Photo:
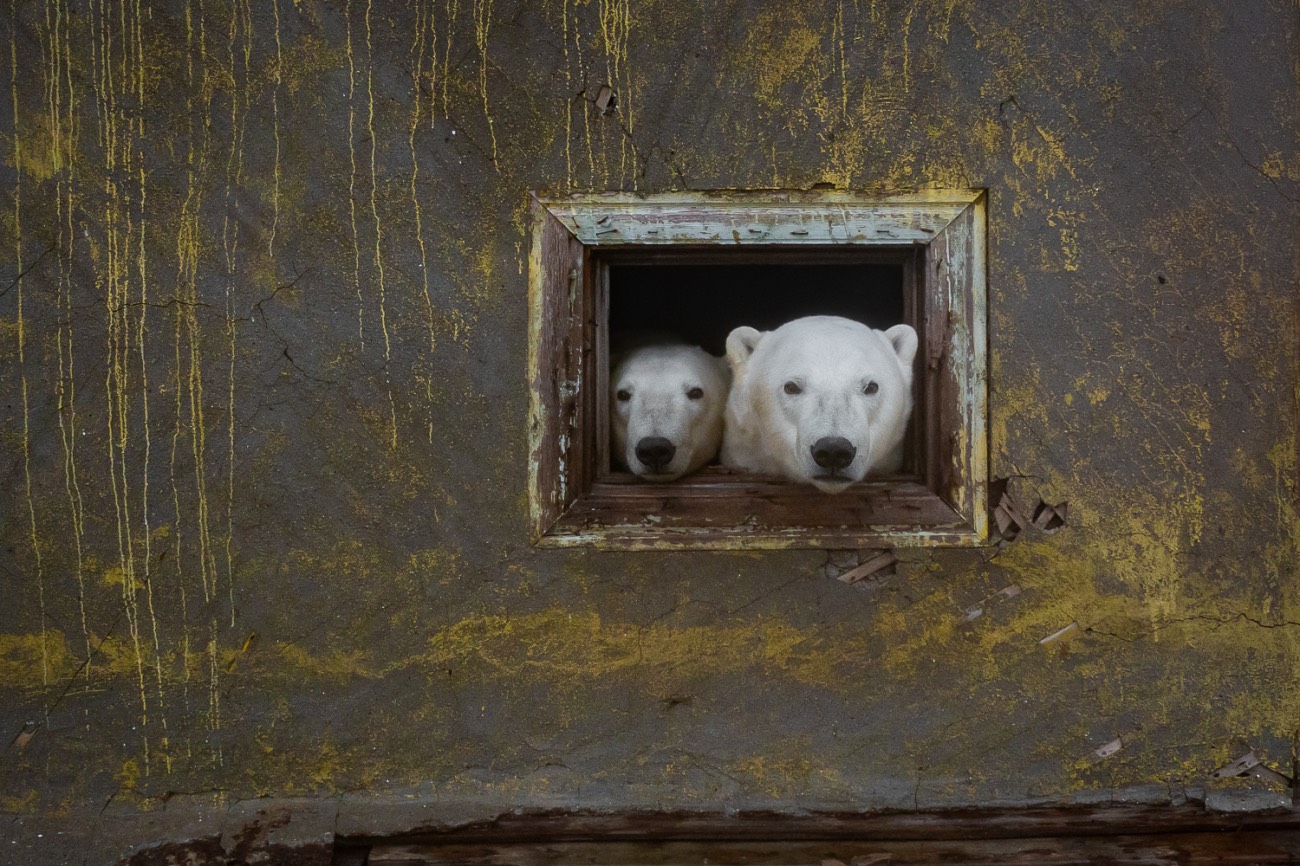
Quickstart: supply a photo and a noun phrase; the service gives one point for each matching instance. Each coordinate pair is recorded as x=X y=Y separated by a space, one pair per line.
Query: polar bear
x=666 y=403
x=820 y=399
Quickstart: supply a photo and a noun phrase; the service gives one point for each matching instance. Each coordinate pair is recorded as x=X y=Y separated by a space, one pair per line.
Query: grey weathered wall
x=262 y=321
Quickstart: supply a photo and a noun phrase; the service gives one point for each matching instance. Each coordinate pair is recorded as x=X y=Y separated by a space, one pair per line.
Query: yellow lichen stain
x=36 y=153
x=116 y=576
x=128 y=777
x=286 y=767
x=1067 y=223
x=114 y=657
x=779 y=777
x=22 y=655
x=1153 y=533
x=328 y=764
x=1016 y=403
x=1282 y=457
x=304 y=61
x=1277 y=166
x=477 y=271
x=785 y=53
x=335 y=665
x=26 y=804
x=988 y=135
x=572 y=648
x=1030 y=154
x=444 y=565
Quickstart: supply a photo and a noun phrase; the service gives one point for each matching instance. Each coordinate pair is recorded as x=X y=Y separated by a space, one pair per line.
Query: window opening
x=698 y=265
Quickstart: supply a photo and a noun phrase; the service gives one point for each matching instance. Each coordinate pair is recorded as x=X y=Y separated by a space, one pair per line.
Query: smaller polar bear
x=820 y=399
x=666 y=404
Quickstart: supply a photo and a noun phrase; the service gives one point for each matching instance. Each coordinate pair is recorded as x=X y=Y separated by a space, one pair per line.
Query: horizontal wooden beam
x=761 y=218
x=1197 y=849
x=1133 y=835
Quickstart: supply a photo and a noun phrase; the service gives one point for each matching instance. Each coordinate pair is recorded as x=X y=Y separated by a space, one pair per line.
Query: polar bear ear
x=741 y=344
x=903 y=339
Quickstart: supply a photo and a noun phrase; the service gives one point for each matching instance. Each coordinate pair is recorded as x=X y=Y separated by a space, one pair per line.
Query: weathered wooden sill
x=718 y=508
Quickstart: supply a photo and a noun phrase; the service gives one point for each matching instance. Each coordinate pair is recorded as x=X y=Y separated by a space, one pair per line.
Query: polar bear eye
x=623 y=396
x=793 y=388
x=695 y=393
x=870 y=388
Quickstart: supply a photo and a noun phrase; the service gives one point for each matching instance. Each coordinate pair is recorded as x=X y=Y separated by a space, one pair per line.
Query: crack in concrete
x=27 y=270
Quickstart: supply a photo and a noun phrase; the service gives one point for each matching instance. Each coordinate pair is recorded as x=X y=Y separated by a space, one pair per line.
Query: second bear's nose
x=655 y=452
x=833 y=452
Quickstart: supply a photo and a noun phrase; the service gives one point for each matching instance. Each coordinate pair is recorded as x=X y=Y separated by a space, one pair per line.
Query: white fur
x=659 y=379
x=831 y=359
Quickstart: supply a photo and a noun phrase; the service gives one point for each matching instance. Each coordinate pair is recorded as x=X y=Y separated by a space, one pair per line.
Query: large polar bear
x=666 y=404
x=820 y=399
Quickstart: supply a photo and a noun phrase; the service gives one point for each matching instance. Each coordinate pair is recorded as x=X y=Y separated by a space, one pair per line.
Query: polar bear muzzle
x=833 y=453
x=655 y=453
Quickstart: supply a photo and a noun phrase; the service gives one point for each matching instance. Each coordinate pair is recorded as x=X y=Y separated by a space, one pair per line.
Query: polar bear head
x=666 y=404
x=820 y=399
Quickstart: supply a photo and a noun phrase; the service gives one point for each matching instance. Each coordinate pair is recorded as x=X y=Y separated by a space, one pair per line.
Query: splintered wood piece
x=1109 y=749
x=1007 y=527
x=1060 y=634
x=1238 y=767
x=1268 y=774
x=1048 y=517
x=882 y=560
x=1013 y=511
x=976 y=611
x=1009 y=519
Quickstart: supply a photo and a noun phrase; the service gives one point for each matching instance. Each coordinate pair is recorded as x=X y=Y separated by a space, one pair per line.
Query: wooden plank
x=754 y=512
x=748 y=225
x=936 y=197
x=581 y=358
x=555 y=270
x=914 y=305
x=750 y=826
x=632 y=538
x=977 y=443
x=861 y=507
x=761 y=218
x=598 y=274
x=1261 y=847
x=810 y=254
x=956 y=389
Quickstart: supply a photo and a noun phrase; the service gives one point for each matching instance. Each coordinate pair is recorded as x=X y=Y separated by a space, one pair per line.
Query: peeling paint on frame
x=913 y=219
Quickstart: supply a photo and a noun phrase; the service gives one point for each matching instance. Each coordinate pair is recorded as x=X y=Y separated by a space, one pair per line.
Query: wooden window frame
x=940 y=238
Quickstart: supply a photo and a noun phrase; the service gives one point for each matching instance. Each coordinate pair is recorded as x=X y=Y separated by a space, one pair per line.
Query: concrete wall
x=262 y=322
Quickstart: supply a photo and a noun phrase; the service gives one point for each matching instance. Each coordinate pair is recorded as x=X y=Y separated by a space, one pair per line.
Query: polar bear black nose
x=655 y=452
x=833 y=452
